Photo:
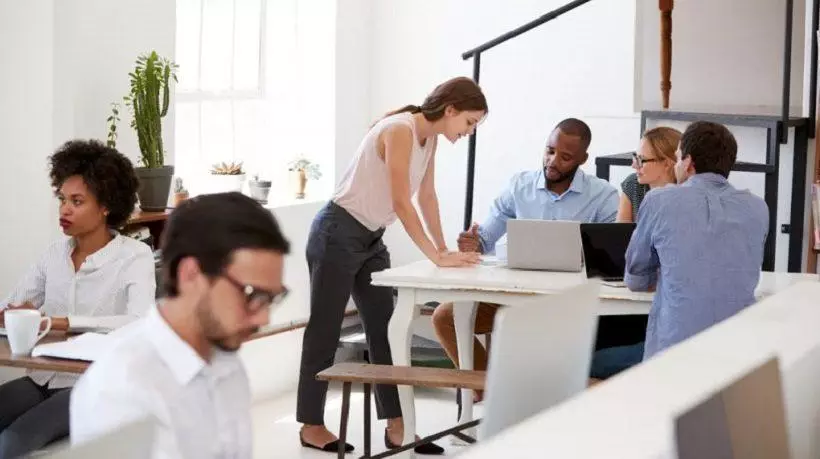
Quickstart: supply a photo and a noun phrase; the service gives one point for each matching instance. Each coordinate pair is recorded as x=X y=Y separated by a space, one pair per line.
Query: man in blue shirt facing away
x=560 y=190
x=698 y=244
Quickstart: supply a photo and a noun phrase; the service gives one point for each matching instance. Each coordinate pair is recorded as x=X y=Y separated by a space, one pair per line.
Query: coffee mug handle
x=47 y=329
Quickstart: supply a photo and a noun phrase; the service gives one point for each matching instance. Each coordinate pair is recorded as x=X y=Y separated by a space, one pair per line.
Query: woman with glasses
x=654 y=165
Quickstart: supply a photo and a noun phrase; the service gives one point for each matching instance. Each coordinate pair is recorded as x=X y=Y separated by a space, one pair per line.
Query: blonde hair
x=663 y=141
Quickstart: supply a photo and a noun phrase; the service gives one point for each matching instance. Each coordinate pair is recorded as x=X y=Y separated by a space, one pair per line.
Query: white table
x=492 y=282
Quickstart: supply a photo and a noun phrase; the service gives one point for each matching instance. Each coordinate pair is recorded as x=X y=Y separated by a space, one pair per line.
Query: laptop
x=549 y=245
x=605 y=247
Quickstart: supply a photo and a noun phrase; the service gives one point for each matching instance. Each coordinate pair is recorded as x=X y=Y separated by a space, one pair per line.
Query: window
x=232 y=102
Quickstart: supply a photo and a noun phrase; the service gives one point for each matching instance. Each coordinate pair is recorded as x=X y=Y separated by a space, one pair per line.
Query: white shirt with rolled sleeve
x=114 y=286
x=202 y=409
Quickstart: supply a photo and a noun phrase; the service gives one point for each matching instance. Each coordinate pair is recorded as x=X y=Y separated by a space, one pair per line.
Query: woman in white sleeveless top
x=394 y=162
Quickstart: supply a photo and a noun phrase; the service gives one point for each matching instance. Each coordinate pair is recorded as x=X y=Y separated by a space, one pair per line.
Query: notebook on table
x=88 y=347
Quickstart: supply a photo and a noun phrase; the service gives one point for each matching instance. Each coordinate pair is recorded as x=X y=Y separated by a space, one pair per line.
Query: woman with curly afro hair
x=93 y=278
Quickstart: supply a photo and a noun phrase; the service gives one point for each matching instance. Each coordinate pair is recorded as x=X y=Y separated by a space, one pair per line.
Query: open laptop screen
x=605 y=247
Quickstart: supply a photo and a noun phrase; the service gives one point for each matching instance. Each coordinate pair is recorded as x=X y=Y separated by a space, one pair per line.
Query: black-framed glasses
x=257 y=298
x=640 y=160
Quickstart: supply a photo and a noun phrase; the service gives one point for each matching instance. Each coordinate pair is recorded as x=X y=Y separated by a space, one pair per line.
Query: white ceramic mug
x=23 y=329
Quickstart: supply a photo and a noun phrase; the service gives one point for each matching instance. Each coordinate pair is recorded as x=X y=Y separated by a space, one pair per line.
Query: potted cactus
x=259 y=189
x=303 y=169
x=180 y=193
x=148 y=100
x=226 y=177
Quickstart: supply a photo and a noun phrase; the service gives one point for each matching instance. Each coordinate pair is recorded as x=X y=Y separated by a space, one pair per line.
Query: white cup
x=23 y=329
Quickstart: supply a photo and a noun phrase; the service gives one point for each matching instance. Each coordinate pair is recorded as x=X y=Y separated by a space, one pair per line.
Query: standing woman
x=395 y=161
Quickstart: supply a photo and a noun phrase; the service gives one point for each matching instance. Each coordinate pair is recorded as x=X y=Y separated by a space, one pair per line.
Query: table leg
x=400 y=333
x=464 y=319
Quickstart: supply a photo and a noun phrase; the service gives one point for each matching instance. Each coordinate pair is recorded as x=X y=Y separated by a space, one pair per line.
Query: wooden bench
x=368 y=374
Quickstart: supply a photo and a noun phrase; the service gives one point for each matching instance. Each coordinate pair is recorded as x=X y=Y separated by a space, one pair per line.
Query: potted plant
x=259 y=189
x=180 y=193
x=226 y=177
x=304 y=169
x=149 y=100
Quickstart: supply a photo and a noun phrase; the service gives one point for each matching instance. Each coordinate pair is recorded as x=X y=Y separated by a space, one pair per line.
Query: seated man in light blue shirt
x=699 y=244
x=560 y=190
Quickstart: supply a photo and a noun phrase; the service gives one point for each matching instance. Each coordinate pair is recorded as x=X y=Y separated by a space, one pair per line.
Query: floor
x=276 y=432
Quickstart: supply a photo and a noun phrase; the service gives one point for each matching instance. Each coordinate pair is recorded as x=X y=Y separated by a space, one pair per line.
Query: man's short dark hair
x=712 y=147
x=211 y=228
x=577 y=128
x=107 y=173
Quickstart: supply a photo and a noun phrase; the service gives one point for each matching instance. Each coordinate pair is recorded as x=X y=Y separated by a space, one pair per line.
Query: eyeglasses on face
x=257 y=298
x=640 y=160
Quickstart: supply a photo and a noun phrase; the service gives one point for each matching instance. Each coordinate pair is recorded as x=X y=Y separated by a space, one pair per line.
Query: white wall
x=580 y=65
x=95 y=45
x=64 y=62
x=26 y=107
x=724 y=53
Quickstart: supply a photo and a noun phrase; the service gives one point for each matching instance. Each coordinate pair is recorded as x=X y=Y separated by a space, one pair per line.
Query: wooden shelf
x=155 y=221
x=139 y=217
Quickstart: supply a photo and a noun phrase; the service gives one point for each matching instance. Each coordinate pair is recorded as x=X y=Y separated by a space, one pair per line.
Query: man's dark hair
x=712 y=147
x=211 y=228
x=577 y=128
x=107 y=173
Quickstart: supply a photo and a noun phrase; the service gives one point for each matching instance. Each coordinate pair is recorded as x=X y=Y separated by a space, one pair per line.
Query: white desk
x=422 y=282
x=632 y=415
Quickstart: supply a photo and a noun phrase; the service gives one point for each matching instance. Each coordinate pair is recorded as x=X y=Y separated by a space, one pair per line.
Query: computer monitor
x=605 y=247
x=744 y=420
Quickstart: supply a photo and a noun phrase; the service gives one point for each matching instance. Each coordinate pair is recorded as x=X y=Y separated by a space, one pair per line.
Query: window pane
x=217 y=132
x=217 y=45
x=187 y=148
x=249 y=126
x=247 y=44
x=189 y=16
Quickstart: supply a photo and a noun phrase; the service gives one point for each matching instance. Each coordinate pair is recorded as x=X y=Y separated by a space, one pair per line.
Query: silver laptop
x=549 y=245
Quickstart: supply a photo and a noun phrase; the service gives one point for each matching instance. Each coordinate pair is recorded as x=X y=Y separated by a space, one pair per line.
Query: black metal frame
x=787 y=68
x=346 y=389
x=775 y=130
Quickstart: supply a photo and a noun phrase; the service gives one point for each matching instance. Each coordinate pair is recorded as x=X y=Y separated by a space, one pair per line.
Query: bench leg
x=366 y=420
x=345 y=415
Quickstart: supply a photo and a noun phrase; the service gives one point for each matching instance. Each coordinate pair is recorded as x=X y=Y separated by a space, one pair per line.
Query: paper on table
x=88 y=347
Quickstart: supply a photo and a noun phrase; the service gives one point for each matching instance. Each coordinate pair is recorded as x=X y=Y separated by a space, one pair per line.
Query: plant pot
x=301 y=183
x=155 y=184
x=179 y=197
x=225 y=183
x=259 y=190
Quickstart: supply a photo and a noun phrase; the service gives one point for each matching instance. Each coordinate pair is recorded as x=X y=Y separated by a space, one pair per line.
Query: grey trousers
x=31 y=417
x=342 y=254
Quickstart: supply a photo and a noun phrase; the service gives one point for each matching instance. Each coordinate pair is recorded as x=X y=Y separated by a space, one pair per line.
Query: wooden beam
x=666 y=7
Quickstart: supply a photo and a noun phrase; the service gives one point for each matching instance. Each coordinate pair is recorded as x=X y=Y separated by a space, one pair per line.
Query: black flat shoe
x=429 y=449
x=332 y=447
